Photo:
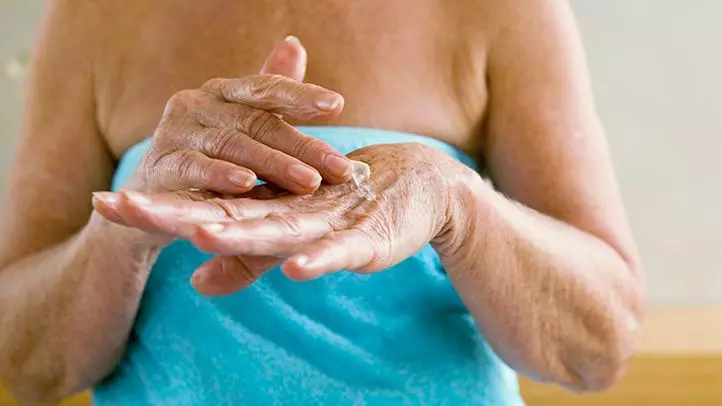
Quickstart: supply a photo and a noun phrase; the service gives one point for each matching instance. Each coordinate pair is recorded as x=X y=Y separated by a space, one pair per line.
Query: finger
x=288 y=58
x=176 y=213
x=189 y=169
x=280 y=95
x=128 y=208
x=350 y=249
x=276 y=235
x=195 y=208
x=273 y=132
x=267 y=163
x=225 y=275
x=106 y=204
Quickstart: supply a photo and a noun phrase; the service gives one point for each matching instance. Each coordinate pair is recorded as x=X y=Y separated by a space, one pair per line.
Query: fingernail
x=301 y=261
x=308 y=267
x=199 y=276
x=242 y=179
x=293 y=38
x=329 y=101
x=136 y=197
x=309 y=263
x=338 y=165
x=109 y=198
x=305 y=176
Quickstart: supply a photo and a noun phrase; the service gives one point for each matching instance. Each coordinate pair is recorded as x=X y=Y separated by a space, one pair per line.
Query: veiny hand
x=335 y=228
x=228 y=133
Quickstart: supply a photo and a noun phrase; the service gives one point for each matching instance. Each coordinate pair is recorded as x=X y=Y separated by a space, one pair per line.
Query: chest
x=415 y=66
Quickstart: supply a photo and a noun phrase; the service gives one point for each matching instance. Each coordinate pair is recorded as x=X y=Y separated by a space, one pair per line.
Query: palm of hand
x=334 y=228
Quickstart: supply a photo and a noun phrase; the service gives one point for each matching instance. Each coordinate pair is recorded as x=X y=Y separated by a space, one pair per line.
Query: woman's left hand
x=335 y=228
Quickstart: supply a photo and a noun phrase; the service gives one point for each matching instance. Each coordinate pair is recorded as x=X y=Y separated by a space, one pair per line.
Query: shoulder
x=88 y=23
x=73 y=29
x=495 y=21
x=533 y=20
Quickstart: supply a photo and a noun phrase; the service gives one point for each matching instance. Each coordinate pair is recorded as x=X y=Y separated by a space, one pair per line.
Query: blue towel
x=398 y=337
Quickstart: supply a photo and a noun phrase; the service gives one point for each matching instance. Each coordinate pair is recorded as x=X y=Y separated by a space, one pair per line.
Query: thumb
x=288 y=58
x=225 y=275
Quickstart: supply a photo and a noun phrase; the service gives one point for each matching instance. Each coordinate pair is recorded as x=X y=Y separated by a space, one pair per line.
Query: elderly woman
x=422 y=284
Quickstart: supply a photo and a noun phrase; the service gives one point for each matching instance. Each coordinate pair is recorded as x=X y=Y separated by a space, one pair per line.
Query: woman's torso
x=397 y=337
x=406 y=65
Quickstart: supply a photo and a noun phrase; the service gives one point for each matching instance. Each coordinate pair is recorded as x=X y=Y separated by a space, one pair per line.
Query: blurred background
x=657 y=72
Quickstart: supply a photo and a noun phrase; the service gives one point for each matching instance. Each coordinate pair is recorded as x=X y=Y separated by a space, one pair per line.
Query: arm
x=558 y=290
x=69 y=287
x=554 y=285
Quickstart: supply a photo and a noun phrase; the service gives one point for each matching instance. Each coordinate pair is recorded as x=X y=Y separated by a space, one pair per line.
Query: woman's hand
x=336 y=228
x=228 y=133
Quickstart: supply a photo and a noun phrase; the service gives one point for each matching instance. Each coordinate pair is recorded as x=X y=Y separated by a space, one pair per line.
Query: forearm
x=555 y=302
x=66 y=312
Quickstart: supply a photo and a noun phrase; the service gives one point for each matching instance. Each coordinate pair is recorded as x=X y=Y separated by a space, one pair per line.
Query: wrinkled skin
x=335 y=228
x=216 y=141
x=544 y=260
x=225 y=135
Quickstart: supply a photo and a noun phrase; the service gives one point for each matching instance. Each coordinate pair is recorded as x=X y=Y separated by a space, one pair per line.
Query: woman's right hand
x=224 y=136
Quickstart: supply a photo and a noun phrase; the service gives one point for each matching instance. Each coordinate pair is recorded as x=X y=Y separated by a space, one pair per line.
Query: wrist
x=139 y=245
x=468 y=196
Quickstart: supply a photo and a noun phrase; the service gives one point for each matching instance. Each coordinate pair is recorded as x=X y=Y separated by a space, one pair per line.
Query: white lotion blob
x=360 y=179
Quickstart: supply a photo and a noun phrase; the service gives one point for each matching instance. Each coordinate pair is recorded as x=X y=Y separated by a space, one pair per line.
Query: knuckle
x=164 y=138
x=232 y=211
x=263 y=86
x=213 y=85
x=289 y=223
x=244 y=276
x=267 y=163
x=186 y=165
x=298 y=94
x=308 y=146
x=154 y=167
x=236 y=116
x=181 y=104
x=256 y=269
x=260 y=124
x=222 y=143
x=243 y=273
x=181 y=99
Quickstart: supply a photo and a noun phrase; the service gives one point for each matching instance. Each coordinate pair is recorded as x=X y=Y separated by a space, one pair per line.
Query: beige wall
x=657 y=67
x=18 y=22
x=657 y=70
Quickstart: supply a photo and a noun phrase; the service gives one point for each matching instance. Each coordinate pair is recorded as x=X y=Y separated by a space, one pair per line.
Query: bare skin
x=504 y=80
